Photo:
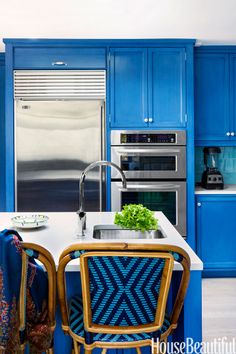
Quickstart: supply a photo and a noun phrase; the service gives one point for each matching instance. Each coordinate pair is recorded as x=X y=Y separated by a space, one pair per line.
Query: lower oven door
x=168 y=197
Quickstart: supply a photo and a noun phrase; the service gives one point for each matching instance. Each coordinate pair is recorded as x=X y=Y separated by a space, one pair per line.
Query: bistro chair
x=27 y=295
x=124 y=295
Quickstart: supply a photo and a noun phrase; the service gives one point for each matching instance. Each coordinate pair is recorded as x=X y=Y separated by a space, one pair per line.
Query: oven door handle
x=169 y=187
x=155 y=151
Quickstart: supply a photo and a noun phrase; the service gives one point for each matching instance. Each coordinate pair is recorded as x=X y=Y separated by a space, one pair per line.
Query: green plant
x=136 y=217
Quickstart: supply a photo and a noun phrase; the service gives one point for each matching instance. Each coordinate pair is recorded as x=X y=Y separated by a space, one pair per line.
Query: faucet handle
x=81 y=222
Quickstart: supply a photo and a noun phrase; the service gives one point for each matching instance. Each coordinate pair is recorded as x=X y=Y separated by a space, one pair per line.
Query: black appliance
x=211 y=177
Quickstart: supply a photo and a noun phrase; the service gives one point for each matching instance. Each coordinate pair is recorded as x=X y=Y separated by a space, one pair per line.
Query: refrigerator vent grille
x=60 y=84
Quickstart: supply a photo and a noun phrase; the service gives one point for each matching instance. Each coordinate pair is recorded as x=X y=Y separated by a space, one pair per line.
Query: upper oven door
x=149 y=162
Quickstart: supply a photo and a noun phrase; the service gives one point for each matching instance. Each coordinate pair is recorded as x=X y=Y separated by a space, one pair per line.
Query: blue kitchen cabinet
x=128 y=88
x=216 y=234
x=2 y=132
x=233 y=96
x=212 y=121
x=147 y=88
x=51 y=58
x=167 y=87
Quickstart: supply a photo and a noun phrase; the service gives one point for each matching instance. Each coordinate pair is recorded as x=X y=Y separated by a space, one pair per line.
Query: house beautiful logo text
x=217 y=346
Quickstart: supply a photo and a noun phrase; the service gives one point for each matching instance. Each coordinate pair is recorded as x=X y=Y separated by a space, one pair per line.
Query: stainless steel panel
x=178 y=152
x=54 y=142
x=158 y=187
x=60 y=84
x=180 y=136
x=114 y=232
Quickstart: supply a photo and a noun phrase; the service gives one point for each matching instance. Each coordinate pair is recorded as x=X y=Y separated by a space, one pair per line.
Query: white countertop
x=228 y=189
x=61 y=232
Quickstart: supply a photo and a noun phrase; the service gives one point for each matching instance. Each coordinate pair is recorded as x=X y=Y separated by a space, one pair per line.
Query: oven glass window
x=148 y=163
x=156 y=201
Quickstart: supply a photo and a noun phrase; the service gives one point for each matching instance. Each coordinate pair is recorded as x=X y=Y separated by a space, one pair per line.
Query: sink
x=114 y=232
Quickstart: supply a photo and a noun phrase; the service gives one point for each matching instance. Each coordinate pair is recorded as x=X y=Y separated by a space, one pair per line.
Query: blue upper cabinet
x=212 y=97
x=166 y=90
x=128 y=87
x=147 y=88
x=59 y=58
x=233 y=97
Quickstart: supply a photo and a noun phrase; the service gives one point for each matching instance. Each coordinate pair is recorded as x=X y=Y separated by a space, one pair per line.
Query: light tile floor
x=219 y=308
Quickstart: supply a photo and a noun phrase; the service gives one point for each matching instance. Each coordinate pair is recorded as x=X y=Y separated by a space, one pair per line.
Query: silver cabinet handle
x=232 y=134
x=228 y=133
x=199 y=204
x=147 y=151
x=145 y=120
x=159 y=187
x=59 y=63
x=150 y=120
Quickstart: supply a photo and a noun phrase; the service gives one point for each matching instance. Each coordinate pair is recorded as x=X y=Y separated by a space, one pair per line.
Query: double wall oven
x=154 y=163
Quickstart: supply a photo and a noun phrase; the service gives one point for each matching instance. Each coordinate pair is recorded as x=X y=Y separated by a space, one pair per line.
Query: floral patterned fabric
x=37 y=331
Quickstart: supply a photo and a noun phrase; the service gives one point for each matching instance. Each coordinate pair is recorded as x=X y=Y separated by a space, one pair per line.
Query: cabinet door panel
x=211 y=97
x=233 y=96
x=216 y=232
x=2 y=132
x=128 y=87
x=167 y=94
x=60 y=58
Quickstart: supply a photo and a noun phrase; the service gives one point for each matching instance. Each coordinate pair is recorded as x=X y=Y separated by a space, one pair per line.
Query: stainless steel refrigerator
x=55 y=139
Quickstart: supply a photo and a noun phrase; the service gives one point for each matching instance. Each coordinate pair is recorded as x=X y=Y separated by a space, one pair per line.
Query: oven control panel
x=151 y=138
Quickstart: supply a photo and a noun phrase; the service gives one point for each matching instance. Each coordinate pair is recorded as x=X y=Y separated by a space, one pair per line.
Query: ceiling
x=209 y=21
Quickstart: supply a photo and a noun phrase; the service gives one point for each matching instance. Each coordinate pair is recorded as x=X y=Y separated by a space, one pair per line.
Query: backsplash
x=226 y=164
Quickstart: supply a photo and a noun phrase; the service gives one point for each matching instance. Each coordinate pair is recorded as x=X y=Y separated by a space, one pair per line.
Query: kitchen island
x=61 y=231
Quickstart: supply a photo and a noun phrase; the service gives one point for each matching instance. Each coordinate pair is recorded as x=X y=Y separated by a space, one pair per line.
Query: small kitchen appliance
x=211 y=177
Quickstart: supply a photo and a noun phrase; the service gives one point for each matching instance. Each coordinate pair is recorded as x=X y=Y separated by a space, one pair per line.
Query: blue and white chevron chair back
x=125 y=289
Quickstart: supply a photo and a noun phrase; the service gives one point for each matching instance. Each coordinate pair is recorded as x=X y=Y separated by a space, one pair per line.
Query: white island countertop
x=61 y=232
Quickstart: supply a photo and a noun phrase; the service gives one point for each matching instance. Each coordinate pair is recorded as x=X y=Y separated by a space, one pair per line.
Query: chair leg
x=104 y=351
x=22 y=349
x=76 y=347
x=50 y=351
x=138 y=350
x=87 y=351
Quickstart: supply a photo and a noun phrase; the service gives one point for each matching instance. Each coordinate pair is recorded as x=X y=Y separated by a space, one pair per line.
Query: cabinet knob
x=199 y=204
x=228 y=133
x=150 y=120
x=232 y=134
x=146 y=120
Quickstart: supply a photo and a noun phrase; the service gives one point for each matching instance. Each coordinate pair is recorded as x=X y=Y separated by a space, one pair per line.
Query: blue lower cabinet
x=216 y=234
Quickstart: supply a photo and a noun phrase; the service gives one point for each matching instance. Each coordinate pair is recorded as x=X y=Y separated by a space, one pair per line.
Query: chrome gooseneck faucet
x=81 y=213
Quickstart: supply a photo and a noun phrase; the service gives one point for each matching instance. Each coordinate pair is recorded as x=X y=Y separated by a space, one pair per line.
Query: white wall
x=209 y=21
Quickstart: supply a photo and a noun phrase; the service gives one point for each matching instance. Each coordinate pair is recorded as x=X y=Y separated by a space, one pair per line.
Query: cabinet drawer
x=60 y=58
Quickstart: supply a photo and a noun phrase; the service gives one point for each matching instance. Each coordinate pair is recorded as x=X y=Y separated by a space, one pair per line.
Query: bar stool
x=124 y=295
